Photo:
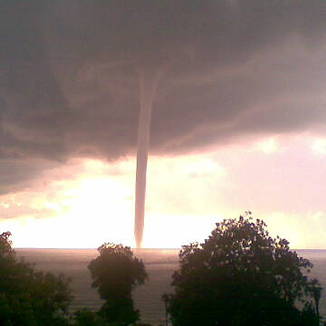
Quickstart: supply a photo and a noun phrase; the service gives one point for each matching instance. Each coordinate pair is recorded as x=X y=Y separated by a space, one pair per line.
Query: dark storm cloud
x=69 y=73
x=18 y=174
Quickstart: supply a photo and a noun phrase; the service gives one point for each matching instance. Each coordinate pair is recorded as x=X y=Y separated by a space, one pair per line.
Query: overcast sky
x=238 y=119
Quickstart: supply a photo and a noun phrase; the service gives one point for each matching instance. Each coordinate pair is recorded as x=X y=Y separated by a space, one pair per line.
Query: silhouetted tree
x=86 y=317
x=241 y=276
x=115 y=273
x=29 y=297
x=315 y=290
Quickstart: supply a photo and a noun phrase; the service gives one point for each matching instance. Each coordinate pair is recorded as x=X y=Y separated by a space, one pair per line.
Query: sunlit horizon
x=89 y=202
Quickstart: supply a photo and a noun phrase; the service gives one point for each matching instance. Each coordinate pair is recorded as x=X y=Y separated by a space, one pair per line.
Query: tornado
x=148 y=83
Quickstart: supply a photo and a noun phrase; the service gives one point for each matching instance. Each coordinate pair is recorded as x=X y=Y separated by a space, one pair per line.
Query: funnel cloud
x=78 y=79
x=148 y=82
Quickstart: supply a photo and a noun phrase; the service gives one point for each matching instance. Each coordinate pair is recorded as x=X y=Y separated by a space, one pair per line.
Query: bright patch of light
x=83 y=213
x=203 y=166
x=267 y=146
x=319 y=146
x=174 y=231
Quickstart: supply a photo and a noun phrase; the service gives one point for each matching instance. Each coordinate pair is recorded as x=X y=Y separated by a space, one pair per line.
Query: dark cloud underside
x=69 y=73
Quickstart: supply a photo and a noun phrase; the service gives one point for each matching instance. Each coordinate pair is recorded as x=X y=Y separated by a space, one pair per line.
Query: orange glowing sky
x=87 y=201
x=238 y=119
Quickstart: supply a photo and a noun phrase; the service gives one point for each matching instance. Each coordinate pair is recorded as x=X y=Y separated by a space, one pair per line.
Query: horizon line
x=133 y=248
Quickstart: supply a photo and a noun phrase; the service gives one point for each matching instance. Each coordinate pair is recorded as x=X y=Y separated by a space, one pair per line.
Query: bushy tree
x=242 y=276
x=115 y=273
x=86 y=317
x=29 y=297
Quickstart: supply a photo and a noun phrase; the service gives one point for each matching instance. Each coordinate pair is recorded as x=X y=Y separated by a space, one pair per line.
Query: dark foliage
x=115 y=273
x=85 y=317
x=242 y=276
x=29 y=297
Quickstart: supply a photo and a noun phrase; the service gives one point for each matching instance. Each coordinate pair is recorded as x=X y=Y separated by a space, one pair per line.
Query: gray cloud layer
x=69 y=74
